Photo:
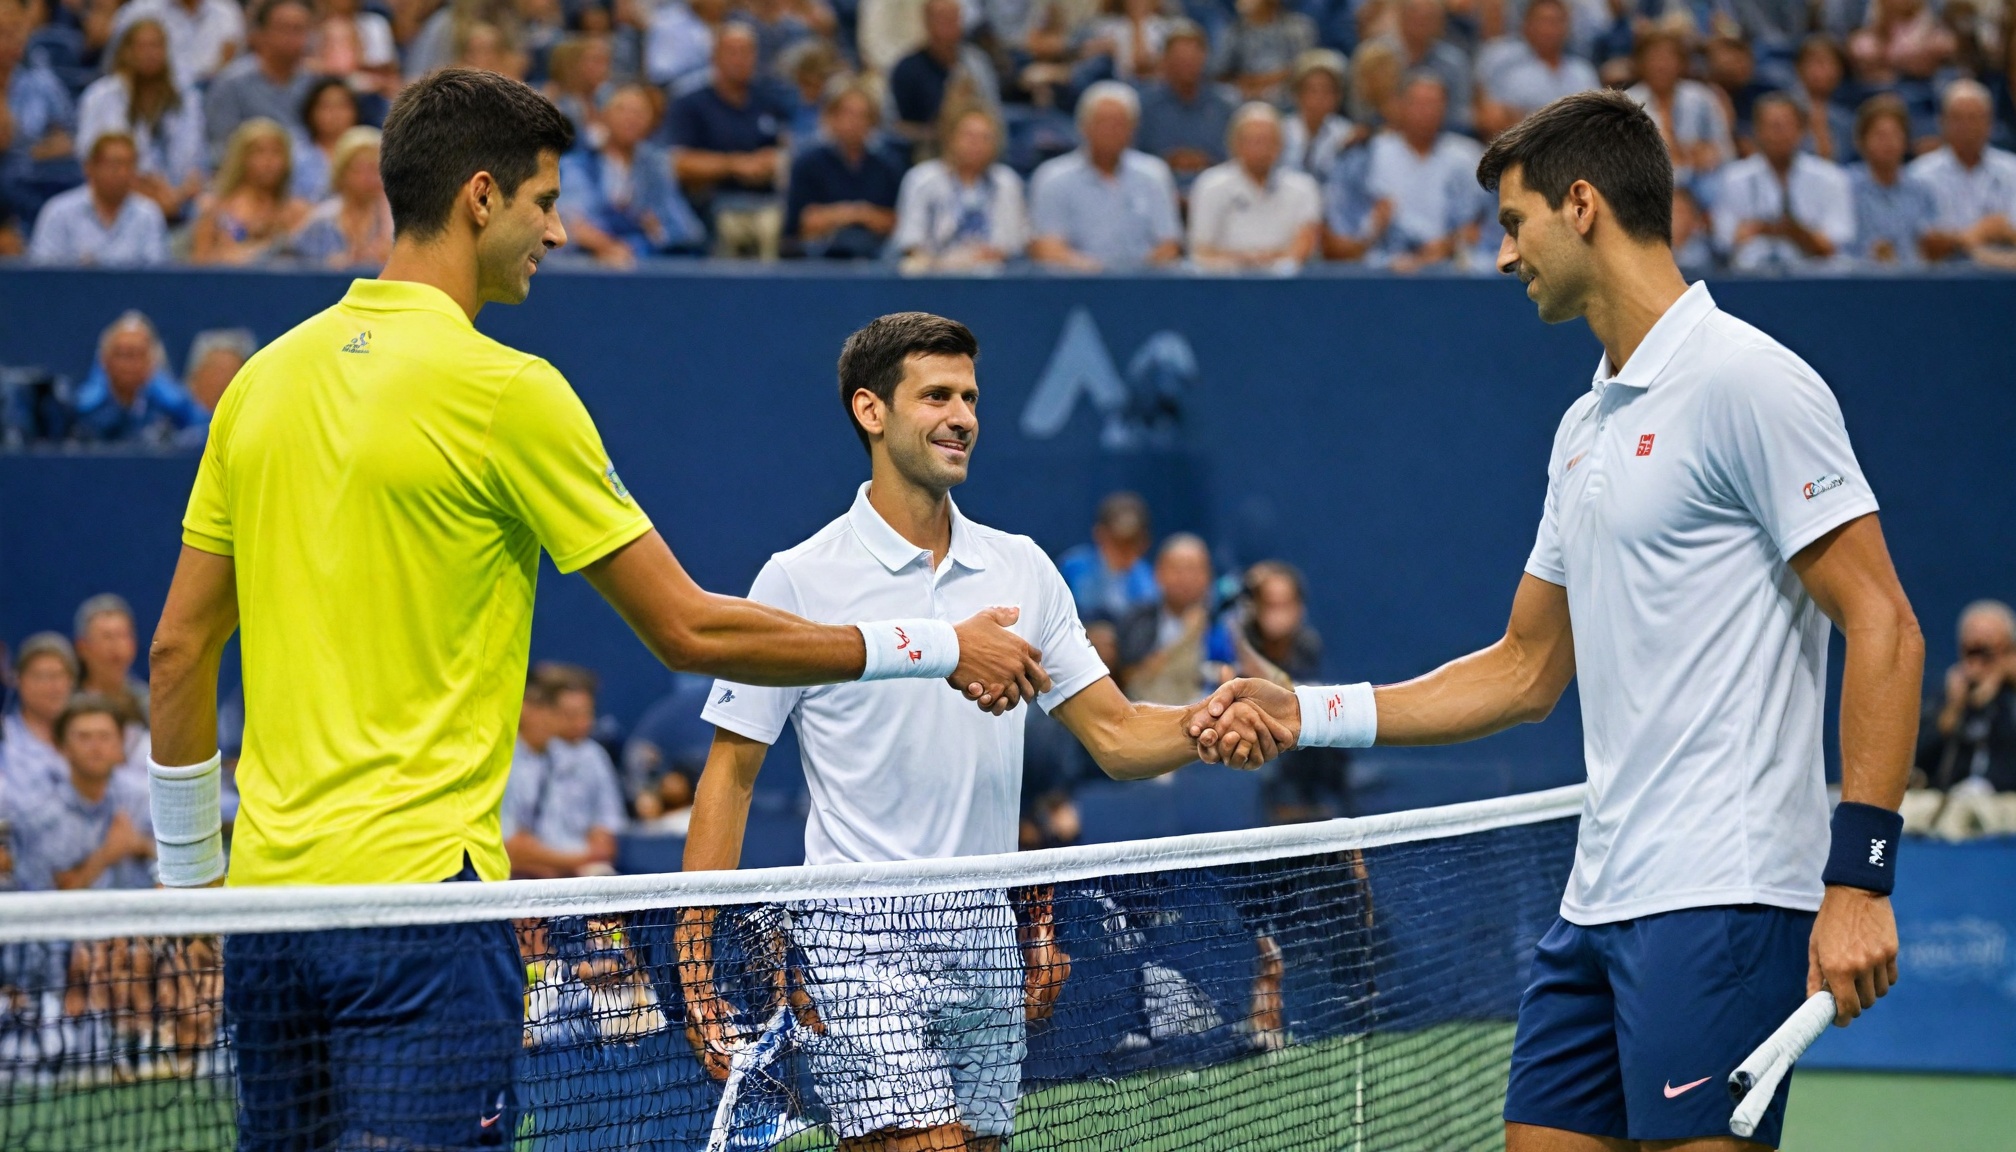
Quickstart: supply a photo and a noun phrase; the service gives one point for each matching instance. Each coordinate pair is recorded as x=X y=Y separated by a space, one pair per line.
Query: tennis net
x=1343 y=985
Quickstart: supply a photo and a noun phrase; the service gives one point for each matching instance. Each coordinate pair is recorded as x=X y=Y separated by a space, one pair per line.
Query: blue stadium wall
x=1389 y=436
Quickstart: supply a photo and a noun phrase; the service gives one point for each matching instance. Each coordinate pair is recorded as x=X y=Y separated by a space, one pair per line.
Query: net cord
x=100 y=915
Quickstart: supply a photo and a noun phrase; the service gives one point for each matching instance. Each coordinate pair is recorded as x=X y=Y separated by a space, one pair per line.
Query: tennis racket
x=755 y=1055
x=1756 y=1080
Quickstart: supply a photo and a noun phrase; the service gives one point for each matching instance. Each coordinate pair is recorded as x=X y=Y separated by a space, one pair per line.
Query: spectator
x=1422 y=48
x=440 y=41
x=252 y=209
x=1376 y=73
x=842 y=204
x=1830 y=127
x=810 y=67
x=1258 y=53
x=577 y=81
x=679 y=43
x=269 y=84
x=1104 y=206
x=1894 y=215
x=329 y=110
x=1774 y=25
x=1274 y=640
x=139 y=97
x=214 y=359
x=727 y=138
x=353 y=227
x=1783 y=208
x=888 y=30
x=1732 y=68
x=1693 y=239
x=491 y=47
x=1689 y=115
x=963 y=210
x=1973 y=184
x=945 y=66
x=1132 y=35
x=1421 y=182
x=1111 y=576
x=562 y=807
x=203 y=35
x=666 y=751
x=45 y=676
x=1183 y=118
x=1902 y=40
x=107 y=645
x=355 y=46
x=103 y=222
x=1312 y=138
x=1165 y=646
x=779 y=24
x=619 y=199
x=129 y=397
x=1252 y=211
x=1537 y=72
x=92 y=829
x=1967 y=739
x=36 y=145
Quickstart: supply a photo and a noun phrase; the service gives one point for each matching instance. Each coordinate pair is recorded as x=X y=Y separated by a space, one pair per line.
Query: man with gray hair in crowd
x=1104 y=206
x=129 y=397
x=1252 y=212
x=1973 y=184
x=1964 y=778
x=215 y=356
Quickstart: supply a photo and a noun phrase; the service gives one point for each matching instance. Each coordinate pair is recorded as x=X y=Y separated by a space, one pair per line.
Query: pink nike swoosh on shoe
x=1671 y=1091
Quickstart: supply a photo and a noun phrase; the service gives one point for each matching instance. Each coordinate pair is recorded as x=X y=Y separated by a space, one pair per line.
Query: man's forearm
x=201 y=614
x=1148 y=741
x=533 y=857
x=721 y=803
x=1884 y=664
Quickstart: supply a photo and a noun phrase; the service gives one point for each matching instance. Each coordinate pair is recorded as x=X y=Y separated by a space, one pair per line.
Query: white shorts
x=922 y=1001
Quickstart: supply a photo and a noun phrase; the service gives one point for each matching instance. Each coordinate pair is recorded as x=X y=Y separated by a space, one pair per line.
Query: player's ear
x=869 y=411
x=480 y=196
x=1582 y=204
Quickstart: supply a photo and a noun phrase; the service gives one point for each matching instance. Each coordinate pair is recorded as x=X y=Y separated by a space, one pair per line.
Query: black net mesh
x=1352 y=1000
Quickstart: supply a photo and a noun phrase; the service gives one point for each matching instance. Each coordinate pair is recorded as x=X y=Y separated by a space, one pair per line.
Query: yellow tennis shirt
x=384 y=476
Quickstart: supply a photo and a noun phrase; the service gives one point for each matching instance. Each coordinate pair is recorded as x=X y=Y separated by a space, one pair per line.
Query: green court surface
x=1868 y=1112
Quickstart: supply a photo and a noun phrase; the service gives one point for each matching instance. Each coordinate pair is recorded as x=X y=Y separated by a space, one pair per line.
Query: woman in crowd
x=1830 y=127
x=252 y=210
x=1131 y=34
x=1903 y=40
x=355 y=46
x=577 y=81
x=1314 y=134
x=619 y=200
x=1689 y=116
x=964 y=210
x=1258 y=53
x=353 y=227
x=328 y=111
x=1893 y=215
x=1375 y=80
x=138 y=96
x=490 y=48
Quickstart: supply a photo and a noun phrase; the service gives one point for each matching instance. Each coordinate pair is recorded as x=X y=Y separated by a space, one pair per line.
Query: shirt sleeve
x=1167 y=223
x=1837 y=210
x=1206 y=208
x=606 y=801
x=1068 y=655
x=206 y=525
x=1047 y=213
x=546 y=468
x=1011 y=219
x=1779 y=444
x=758 y=713
x=909 y=233
x=1545 y=562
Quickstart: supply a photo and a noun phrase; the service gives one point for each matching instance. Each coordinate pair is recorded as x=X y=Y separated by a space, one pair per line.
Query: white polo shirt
x=908 y=769
x=1678 y=490
x=1229 y=211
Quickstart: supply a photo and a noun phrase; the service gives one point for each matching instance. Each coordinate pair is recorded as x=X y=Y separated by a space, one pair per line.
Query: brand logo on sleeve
x=1645 y=444
x=360 y=343
x=727 y=695
x=615 y=484
x=1827 y=483
x=1876 y=851
x=1574 y=460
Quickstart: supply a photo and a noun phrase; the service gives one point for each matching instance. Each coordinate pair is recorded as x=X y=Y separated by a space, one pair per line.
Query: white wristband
x=188 y=821
x=1338 y=716
x=919 y=649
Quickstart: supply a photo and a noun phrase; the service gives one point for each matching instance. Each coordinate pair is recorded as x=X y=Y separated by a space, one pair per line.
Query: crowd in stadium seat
x=1073 y=135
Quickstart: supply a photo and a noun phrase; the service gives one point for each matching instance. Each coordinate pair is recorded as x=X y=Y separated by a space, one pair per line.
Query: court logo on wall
x=1139 y=410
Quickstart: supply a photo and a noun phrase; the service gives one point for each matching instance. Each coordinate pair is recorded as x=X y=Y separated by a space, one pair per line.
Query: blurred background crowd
x=1074 y=135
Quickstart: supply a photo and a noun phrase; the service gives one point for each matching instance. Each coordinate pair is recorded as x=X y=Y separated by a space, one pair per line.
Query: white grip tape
x=1338 y=716
x=188 y=821
x=1756 y=1080
x=920 y=649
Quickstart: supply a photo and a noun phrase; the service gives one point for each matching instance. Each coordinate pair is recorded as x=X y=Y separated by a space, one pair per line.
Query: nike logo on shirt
x=1671 y=1091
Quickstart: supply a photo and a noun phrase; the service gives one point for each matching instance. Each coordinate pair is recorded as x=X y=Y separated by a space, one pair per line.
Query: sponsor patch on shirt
x=1827 y=483
x=615 y=483
x=360 y=343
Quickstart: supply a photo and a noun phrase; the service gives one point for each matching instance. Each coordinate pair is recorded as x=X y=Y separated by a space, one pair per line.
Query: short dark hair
x=1602 y=137
x=1125 y=512
x=1886 y=105
x=556 y=679
x=262 y=14
x=81 y=705
x=874 y=357
x=1777 y=100
x=449 y=126
x=314 y=96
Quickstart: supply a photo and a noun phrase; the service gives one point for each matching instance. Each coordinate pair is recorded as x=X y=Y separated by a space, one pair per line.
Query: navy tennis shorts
x=1630 y=1030
x=376 y=1037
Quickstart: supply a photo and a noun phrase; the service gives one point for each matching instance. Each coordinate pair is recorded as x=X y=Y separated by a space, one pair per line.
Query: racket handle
x=1756 y=1080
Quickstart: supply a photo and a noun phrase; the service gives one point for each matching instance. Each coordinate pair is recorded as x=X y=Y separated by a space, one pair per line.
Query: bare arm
x=533 y=857
x=714 y=843
x=1849 y=575
x=1057 y=251
x=201 y=614
x=693 y=630
x=1129 y=741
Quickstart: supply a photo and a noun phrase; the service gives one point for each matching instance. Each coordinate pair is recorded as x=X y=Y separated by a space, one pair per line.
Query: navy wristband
x=1864 y=851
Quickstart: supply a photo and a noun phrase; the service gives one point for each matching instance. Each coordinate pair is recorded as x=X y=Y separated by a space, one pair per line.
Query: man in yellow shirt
x=369 y=513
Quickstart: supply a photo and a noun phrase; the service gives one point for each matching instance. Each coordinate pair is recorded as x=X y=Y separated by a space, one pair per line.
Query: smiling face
x=93 y=745
x=1544 y=248
x=517 y=231
x=930 y=423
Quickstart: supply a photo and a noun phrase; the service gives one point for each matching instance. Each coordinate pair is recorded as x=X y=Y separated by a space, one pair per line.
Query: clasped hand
x=1245 y=723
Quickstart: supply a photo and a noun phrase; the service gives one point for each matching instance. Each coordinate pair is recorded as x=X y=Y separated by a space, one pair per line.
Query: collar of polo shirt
x=895 y=553
x=1657 y=349
x=403 y=296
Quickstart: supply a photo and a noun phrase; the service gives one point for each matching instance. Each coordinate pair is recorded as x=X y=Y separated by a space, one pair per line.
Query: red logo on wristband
x=1335 y=704
x=916 y=655
x=902 y=638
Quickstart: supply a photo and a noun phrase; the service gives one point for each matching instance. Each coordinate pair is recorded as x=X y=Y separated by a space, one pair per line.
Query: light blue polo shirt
x=1116 y=220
